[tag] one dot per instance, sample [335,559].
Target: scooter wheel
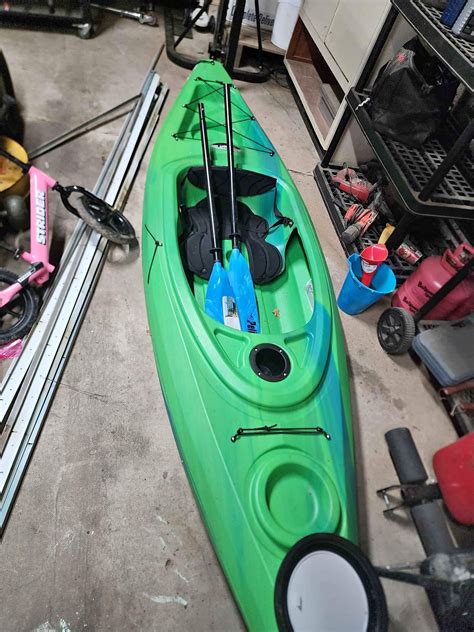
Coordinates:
[211,27]
[396,330]
[106,221]
[20,314]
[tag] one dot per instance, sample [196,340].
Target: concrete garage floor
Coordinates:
[105,534]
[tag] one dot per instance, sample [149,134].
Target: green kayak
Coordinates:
[262,420]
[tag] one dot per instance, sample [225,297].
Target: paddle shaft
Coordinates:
[240,277]
[231,166]
[216,250]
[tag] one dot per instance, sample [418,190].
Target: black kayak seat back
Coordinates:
[247,183]
[265,243]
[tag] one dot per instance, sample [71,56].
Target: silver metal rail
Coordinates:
[30,384]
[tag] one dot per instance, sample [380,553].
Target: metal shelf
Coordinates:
[72,15]
[410,169]
[455,52]
[442,234]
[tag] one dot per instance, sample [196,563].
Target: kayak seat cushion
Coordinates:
[265,260]
[247,183]
[262,228]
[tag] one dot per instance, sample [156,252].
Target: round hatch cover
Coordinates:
[326,584]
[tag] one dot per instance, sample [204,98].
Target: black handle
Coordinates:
[216,250]
[231,165]
[405,457]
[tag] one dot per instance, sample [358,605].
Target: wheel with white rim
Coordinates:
[326,584]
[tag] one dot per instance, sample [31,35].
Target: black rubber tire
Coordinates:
[378,613]
[27,301]
[396,330]
[121,232]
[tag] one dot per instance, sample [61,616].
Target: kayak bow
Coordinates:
[262,420]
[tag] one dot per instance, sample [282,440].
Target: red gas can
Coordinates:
[429,277]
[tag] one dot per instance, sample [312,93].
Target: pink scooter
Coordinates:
[19,302]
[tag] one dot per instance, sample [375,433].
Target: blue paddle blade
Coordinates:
[220,300]
[242,285]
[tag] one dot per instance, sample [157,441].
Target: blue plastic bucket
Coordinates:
[355,297]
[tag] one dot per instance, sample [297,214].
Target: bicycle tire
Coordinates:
[28,300]
[121,232]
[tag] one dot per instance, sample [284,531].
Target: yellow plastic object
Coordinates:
[385,234]
[12,179]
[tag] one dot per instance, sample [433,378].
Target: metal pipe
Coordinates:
[32,380]
[234,35]
[259,32]
[81,129]
[36,399]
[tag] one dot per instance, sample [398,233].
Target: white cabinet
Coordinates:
[351,32]
[320,13]
[344,32]
[330,46]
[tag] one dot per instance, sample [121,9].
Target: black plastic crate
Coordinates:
[455,52]
[410,168]
[419,164]
[464,47]
[432,237]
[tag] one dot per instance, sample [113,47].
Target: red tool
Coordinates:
[358,219]
[350,182]
[372,258]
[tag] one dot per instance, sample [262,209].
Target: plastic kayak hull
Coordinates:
[258,492]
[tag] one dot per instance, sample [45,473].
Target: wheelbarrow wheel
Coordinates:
[396,330]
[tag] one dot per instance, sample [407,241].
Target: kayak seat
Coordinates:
[247,183]
[266,260]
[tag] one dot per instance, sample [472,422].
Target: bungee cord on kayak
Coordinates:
[158,244]
[182,135]
[222,85]
[275,429]
[249,117]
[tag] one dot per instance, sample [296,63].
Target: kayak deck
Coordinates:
[260,493]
